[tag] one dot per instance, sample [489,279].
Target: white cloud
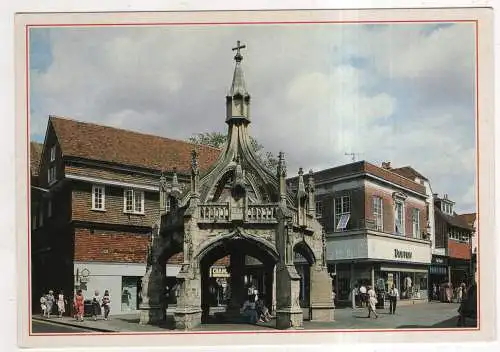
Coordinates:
[400,92]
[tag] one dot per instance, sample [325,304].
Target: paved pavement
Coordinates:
[40,327]
[417,316]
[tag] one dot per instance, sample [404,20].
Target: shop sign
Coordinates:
[438,260]
[219,271]
[398,254]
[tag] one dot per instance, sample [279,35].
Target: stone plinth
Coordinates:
[151,315]
[289,318]
[187,318]
[322,312]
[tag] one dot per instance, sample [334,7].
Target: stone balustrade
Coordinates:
[261,212]
[222,212]
[214,212]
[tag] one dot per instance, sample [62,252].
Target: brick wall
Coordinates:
[458,249]
[114,214]
[110,246]
[387,206]
[328,205]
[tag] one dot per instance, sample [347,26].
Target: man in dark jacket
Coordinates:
[468,307]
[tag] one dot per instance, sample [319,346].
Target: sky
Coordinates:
[403,93]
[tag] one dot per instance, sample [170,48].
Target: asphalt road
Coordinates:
[49,327]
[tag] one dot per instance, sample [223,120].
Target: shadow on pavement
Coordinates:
[448,323]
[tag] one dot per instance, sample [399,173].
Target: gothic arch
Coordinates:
[303,248]
[254,246]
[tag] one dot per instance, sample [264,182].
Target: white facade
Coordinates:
[119,278]
[379,247]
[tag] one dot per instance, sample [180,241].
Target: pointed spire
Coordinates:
[194,174]
[281,171]
[238,87]
[163,192]
[176,190]
[238,99]
[301,191]
[310,192]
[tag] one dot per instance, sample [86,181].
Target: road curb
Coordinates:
[75,325]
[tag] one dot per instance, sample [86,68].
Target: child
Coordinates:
[106,304]
[43,305]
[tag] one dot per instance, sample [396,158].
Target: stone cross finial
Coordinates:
[238,47]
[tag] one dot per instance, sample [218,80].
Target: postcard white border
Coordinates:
[486,168]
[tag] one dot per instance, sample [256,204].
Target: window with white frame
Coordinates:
[342,208]
[133,201]
[49,208]
[399,217]
[415,219]
[51,174]
[53,153]
[378,211]
[319,209]
[98,197]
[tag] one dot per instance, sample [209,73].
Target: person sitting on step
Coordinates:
[262,311]
[248,310]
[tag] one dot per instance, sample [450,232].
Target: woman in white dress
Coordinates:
[61,304]
[372,302]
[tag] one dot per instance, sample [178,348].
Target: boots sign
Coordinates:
[398,254]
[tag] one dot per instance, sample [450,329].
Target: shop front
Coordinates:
[380,261]
[438,271]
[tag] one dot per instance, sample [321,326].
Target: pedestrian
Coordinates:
[435,292]
[363,296]
[61,304]
[449,292]
[372,302]
[393,297]
[96,305]
[106,301]
[50,303]
[248,310]
[354,295]
[79,305]
[43,305]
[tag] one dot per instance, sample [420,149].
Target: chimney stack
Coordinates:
[386,165]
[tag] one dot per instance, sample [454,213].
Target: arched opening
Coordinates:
[303,260]
[169,265]
[241,277]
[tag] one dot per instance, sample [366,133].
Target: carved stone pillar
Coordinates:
[188,311]
[151,294]
[322,306]
[288,312]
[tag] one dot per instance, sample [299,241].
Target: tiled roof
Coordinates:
[108,144]
[468,218]
[35,155]
[455,220]
[363,167]
[409,172]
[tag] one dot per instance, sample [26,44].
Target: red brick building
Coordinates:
[375,222]
[95,198]
[454,235]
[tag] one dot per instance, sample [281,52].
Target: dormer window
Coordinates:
[53,154]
